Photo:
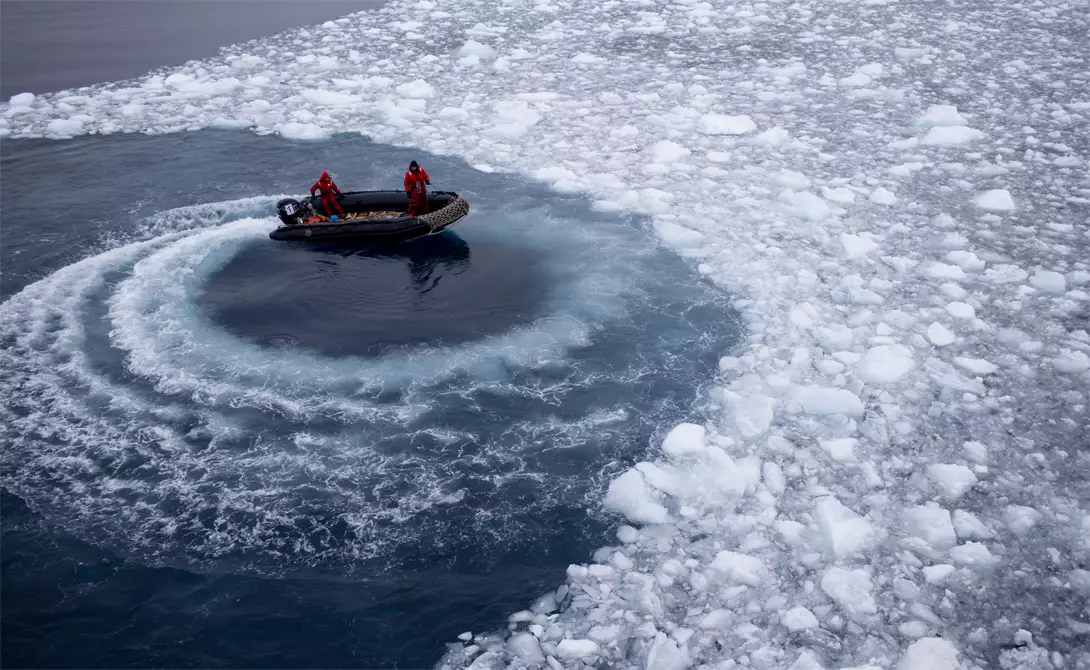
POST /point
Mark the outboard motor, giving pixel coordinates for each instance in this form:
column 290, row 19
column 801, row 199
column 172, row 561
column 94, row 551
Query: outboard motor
column 290, row 211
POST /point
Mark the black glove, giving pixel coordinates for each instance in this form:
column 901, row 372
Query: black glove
column 428, row 182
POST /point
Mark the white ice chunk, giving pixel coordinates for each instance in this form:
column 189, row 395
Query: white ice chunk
column 977, row 366
column 806, row 205
column 740, row 568
column 931, row 524
column 995, row 200
column 1071, row 361
column 721, row 124
column 418, row 88
column 930, row 653
column 751, row 414
column 851, row 590
column 572, row 649
column 1048, row 281
column 972, row 554
column 939, row 335
column 666, row 152
column 969, row 527
column 475, row 48
column 823, row 400
column 630, row 495
column 941, row 116
column 796, row 181
column 951, row 136
column 686, row 438
column 21, row 100
column 883, row 196
column 960, row 310
column 841, row 449
column 798, row 618
column 845, row 531
column 885, row 364
column 665, row 655
column 526, row 648
column 1020, row 519
column 856, row 246
column 953, row 480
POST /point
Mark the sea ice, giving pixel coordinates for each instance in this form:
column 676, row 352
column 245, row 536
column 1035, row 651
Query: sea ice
column 931, row 524
column 953, row 480
column 798, row 618
column 948, row 136
column 885, row 364
column 721, row 124
column 930, row 653
column 851, row 589
column 942, row 116
column 996, row 200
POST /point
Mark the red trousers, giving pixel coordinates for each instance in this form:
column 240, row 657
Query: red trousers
column 331, row 206
column 418, row 201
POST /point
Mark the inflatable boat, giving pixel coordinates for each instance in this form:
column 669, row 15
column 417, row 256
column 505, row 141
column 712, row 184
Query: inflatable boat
column 378, row 216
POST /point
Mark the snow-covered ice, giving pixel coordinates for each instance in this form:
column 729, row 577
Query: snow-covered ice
column 896, row 194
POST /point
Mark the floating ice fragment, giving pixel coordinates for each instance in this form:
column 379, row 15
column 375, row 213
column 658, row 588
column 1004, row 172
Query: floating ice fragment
column 751, row 414
column 856, row 246
column 526, row 648
column 882, row 196
column 721, row 124
column 851, row 590
column 806, row 205
column 961, row 310
column 885, row 364
column 630, row 495
column 969, row 527
column 1071, row 361
column 798, row 618
column 827, row 400
column 951, row 136
column 978, row 366
column 942, row 116
column 666, row 152
column 572, row 649
column 21, row 100
column 996, row 200
column 686, row 438
column 953, row 480
column 931, row 524
column 937, row 574
column 1005, row 274
column 475, row 48
column 1020, row 519
column 973, row 554
column 1048, row 281
column 930, row 653
column 417, row 88
column 939, row 335
column 665, row 655
column 796, row 181
column 845, row 531
column 841, row 449
column 740, row 568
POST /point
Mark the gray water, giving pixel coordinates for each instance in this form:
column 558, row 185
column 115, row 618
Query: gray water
column 51, row 45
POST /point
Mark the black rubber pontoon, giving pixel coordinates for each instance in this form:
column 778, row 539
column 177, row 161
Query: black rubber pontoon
column 378, row 216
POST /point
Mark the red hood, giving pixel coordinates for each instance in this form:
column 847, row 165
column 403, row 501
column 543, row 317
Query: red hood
column 325, row 175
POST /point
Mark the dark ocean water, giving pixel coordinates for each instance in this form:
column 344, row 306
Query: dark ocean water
column 221, row 450
column 50, row 45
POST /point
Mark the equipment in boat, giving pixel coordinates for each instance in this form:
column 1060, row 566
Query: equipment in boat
column 378, row 216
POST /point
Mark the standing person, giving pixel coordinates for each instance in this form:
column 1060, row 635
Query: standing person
column 416, row 183
column 328, row 188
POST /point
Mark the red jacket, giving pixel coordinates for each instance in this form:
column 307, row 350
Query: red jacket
column 414, row 181
column 326, row 185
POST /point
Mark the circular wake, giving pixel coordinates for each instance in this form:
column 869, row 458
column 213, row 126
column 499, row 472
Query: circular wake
column 135, row 419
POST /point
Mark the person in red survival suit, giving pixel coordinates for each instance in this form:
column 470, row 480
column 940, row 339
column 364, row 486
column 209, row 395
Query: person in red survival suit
column 416, row 183
column 328, row 188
